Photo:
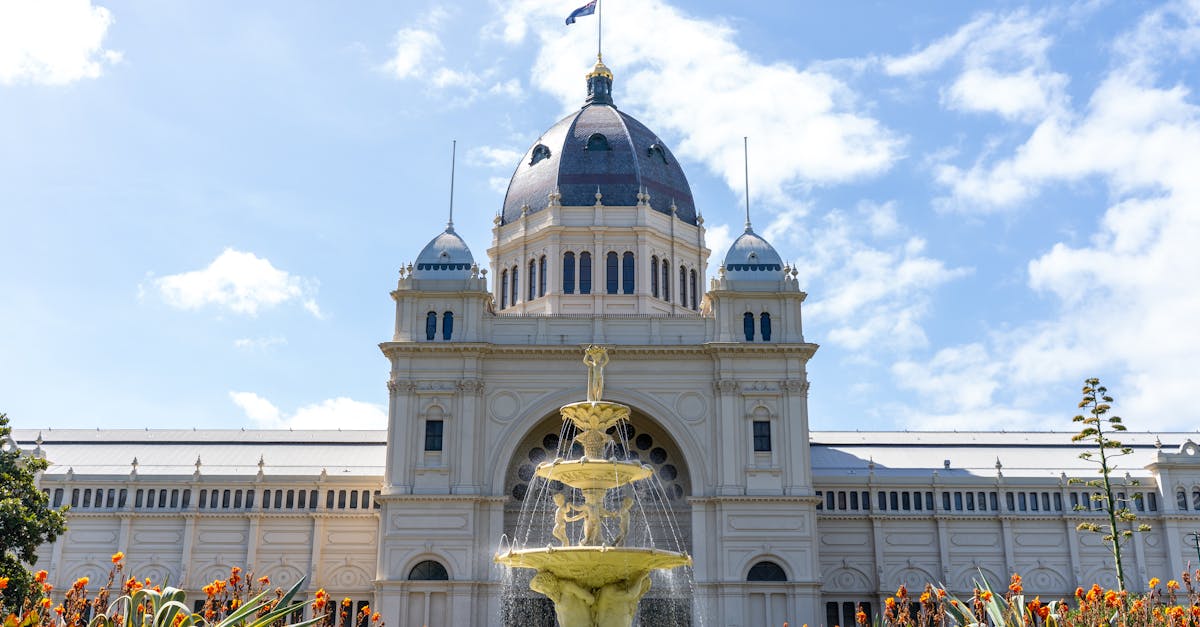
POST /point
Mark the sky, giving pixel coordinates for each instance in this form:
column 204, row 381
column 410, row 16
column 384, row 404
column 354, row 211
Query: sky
column 203, row 207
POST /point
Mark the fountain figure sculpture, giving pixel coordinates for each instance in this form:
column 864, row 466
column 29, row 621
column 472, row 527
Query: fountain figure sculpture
column 591, row 583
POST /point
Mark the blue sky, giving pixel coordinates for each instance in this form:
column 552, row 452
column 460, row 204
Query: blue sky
column 202, row 208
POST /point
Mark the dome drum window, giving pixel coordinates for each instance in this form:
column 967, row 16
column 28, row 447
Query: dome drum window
column 598, row 142
column 540, row 152
column 656, row 150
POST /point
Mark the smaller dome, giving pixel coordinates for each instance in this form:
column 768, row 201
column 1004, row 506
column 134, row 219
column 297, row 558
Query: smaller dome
column 752, row 257
column 446, row 257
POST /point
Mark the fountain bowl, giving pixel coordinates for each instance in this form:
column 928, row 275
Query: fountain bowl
column 586, row 474
column 593, row 566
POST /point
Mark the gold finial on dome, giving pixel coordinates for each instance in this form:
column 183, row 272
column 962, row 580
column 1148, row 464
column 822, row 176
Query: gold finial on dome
column 600, row 69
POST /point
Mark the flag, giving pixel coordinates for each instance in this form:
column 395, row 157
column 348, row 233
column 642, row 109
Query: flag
column 586, row 9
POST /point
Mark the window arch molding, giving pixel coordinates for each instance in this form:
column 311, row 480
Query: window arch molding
column 428, row 568
column 766, row 569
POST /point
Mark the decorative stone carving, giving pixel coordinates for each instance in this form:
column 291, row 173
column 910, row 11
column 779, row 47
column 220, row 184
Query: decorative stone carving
column 396, row 387
column 471, row 386
column 726, row 386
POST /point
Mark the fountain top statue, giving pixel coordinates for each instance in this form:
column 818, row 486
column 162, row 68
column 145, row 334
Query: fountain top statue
column 595, row 357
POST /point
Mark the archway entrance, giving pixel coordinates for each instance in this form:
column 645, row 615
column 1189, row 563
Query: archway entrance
column 666, row 512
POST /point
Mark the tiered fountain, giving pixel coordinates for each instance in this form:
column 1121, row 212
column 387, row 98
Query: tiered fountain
column 591, row 582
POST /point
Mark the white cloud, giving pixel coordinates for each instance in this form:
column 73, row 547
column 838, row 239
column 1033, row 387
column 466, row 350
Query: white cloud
column 413, row 50
column 53, row 42
column 334, row 413
column 498, row 184
column 259, row 343
column 1004, row 67
column 1125, row 303
column 717, row 237
column 805, row 126
column 494, row 157
column 872, row 284
column 240, row 282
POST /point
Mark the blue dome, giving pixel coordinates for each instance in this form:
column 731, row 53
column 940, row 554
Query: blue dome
column 751, row 256
column 599, row 147
column 446, row 257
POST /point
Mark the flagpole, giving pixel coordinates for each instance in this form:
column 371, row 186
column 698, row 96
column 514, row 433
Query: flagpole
column 599, row 30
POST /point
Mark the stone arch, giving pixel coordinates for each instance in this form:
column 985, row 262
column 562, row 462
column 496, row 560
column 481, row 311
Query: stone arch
column 645, row 406
column 95, row 573
column 967, row 576
column 213, row 572
column 347, row 577
column 914, row 578
column 1104, row 575
column 1045, row 580
column 846, row 579
column 282, row 575
column 160, row 574
column 767, row 557
column 412, row 562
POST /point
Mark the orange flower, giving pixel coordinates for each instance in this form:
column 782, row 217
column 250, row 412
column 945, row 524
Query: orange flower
column 40, row 576
column 985, row 596
column 901, row 591
column 209, row 614
column 235, row 570
column 117, row 557
column 46, row 603
column 941, row 594
column 890, row 603
column 141, row 608
column 59, row 610
column 1196, row 611
column 264, row 580
column 375, row 617
column 954, row 602
column 178, row 620
column 1176, row 612
column 1154, row 582
column 1111, row 599
column 1015, row 587
column 1044, row 611
column 209, row 590
column 1079, row 593
column 234, row 604
column 3, row 582
column 1172, row 585
column 46, row 588
column 80, row 583
column 925, row 597
column 860, row 617
column 346, row 602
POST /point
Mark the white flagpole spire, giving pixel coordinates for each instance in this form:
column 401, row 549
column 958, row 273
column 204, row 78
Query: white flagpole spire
column 453, row 156
column 599, row 30
column 746, row 161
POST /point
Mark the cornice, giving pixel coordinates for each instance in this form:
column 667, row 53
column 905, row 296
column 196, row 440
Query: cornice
column 396, row 349
column 753, row 498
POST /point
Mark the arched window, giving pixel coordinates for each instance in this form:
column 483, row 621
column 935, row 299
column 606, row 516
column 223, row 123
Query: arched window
column 598, row 142
column 683, row 286
column 428, row 570
column 656, row 150
column 585, row 273
column 748, row 326
column 541, row 276
column 1181, row 499
column 515, row 275
column 693, row 284
column 764, row 326
column 610, row 273
column 568, row 269
column 666, row 280
column 1196, row 498
column 766, row 571
column 447, row 325
column 539, row 152
column 532, row 279
column 627, row 273
column 504, row 288
column 430, row 325
column 654, row 275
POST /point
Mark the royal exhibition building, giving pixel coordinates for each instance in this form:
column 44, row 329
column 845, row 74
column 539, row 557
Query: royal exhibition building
column 601, row 242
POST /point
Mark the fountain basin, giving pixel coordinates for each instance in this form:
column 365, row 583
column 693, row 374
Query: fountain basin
column 593, row 566
column 588, row 474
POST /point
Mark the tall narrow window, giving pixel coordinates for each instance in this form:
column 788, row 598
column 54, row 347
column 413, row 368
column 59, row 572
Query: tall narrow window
column 447, row 325
column 762, row 436
column 610, row 273
column 515, row 290
column 504, row 288
column 764, row 326
column 532, row 279
column 542, row 276
column 748, row 326
column 682, row 286
column 693, row 285
column 568, row 269
column 654, row 276
column 433, row 435
column 585, row 273
column 627, row 273
column 430, row 325
column 666, row 280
